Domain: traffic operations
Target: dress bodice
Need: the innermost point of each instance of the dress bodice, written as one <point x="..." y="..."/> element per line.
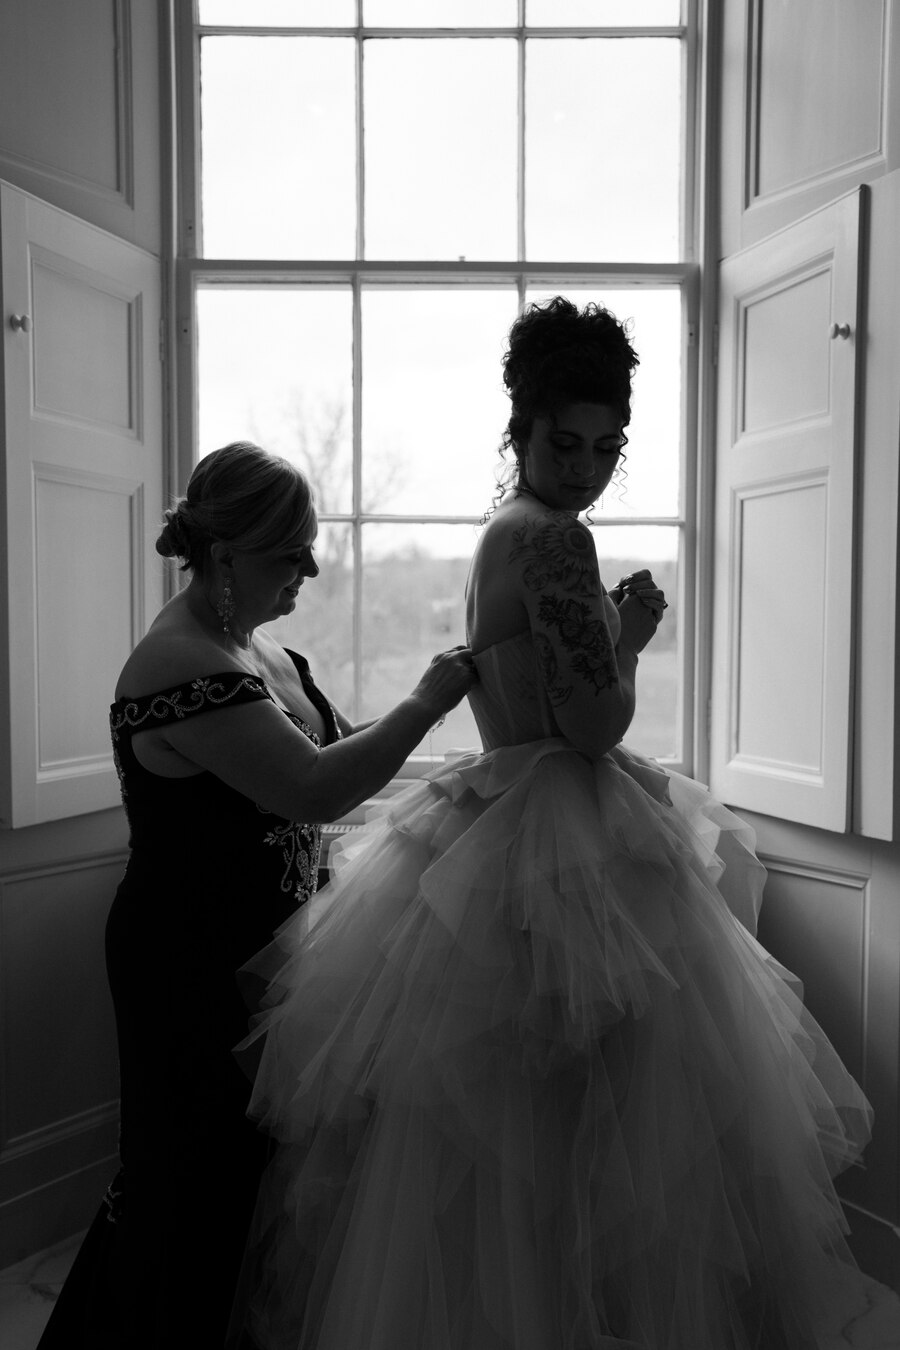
<point x="509" y="701"/>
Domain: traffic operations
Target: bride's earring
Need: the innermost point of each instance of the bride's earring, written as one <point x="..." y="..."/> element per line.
<point x="226" y="607"/>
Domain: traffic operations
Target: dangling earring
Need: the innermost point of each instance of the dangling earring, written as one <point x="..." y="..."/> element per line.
<point x="226" y="607"/>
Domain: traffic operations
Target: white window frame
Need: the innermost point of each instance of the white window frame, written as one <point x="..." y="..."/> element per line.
<point x="698" y="311"/>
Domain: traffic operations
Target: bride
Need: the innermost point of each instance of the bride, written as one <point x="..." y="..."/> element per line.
<point x="534" y="1084"/>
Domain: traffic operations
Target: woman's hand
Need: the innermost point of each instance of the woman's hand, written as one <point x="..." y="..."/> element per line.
<point x="641" y="603"/>
<point x="639" y="622"/>
<point x="642" y="585"/>
<point x="447" y="680"/>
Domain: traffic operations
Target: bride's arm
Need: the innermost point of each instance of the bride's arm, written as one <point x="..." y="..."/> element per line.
<point x="589" y="680"/>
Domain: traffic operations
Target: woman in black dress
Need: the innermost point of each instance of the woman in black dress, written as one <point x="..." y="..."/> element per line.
<point x="229" y="758"/>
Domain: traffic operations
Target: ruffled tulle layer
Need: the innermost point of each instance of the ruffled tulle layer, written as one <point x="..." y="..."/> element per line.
<point x="537" y="1087"/>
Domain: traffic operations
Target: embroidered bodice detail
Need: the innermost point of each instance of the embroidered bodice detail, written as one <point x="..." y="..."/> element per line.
<point x="201" y="695"/>
<point x="297" y="844"/>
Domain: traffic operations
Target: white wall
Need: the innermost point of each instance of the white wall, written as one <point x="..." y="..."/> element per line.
<point x="80" y="118"/>
<point x="810" y="109"/>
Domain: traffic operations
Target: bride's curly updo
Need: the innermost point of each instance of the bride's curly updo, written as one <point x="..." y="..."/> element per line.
<point x="243" y="496"/>
<point x="560" y="354"/>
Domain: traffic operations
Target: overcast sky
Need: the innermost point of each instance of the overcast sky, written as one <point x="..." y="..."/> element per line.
<point x="279" y="156"/>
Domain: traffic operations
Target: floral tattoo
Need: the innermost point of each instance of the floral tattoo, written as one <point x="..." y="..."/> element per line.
<point x="557" y="692"/>
<point x="559" y="552"/>
<point x="559" y="560"/>
<point x="585" y="635"/>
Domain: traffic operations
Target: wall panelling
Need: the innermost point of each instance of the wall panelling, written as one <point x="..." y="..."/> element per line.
<point x="79" y="109"/>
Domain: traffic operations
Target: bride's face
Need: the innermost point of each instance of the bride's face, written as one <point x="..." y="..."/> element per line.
<point x="570" y="458"/>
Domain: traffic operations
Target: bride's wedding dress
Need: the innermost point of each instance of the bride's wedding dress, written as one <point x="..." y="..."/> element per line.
<point x="535" y="1084"/>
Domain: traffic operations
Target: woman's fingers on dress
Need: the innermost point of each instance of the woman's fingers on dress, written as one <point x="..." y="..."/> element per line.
<point x="463" y="661"/>
<point x="459" y="650"/>
<point x="448" y="679"/>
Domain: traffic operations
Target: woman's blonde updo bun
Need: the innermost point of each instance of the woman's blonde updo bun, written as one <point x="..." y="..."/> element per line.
<point x="174" y="539"/>
<point x="242" y="496"/>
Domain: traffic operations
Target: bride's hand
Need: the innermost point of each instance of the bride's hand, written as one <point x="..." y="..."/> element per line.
<point x="639" y="623"/>
<point x="641" y="585"/>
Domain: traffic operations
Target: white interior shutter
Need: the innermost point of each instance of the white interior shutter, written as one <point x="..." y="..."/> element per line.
<point x="784" y="532"/>
<point x="83" y="487"/>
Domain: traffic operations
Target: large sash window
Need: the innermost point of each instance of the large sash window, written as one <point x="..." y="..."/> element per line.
<point x="371" y="189"/>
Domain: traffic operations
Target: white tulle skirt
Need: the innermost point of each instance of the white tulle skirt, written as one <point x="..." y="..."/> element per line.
<point x="536" y="1087"/>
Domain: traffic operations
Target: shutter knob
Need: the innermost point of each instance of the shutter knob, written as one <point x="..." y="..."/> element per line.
<point x="20" y="322"/>
<point x="839" y="330"/>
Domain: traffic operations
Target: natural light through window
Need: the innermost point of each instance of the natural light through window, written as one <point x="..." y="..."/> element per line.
<point x="388" y="189"/>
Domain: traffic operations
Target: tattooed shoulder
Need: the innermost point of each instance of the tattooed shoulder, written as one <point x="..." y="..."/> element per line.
<point x="556" y="549"/>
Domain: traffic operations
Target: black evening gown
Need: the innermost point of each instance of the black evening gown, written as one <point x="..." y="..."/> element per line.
<point x="210" y="877"/>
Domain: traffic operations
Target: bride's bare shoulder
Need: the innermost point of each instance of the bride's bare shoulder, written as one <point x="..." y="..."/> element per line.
<point x="529" y="524"/>
<point x="511" y="518"/>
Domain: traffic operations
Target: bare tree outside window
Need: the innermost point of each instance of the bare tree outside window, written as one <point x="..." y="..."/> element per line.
<point x="351" y="303"/>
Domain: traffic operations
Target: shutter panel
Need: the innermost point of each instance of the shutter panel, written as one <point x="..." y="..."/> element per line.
<point x="83" y="484"/>
<point x="784" y="530"/>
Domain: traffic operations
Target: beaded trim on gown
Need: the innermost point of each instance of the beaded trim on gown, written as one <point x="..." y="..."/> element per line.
<point x="535" y="1084"/>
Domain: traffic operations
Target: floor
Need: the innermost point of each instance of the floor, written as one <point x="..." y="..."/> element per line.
<point x="27" y="1291"/>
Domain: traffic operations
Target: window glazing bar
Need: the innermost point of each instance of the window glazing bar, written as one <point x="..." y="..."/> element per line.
<point x="272" y="271"/>
<point x="585" y="30"/>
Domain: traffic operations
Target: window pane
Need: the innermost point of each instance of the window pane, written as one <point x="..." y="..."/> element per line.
<point x="648" y="481"/>
<point x="436" y="185"/>
<point x="279" y="13"/>
<point x="321" y="626"/>
<point x="413" y="606"/>
<point x="655" y="729"/>
<point x="433" y="402"/>
<point x="275" y="367"/>
<point x="602" y="165"/>
<point x="440" y="13"/>
<point x="278" y="147"/>
<point x="621" y="13"/>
